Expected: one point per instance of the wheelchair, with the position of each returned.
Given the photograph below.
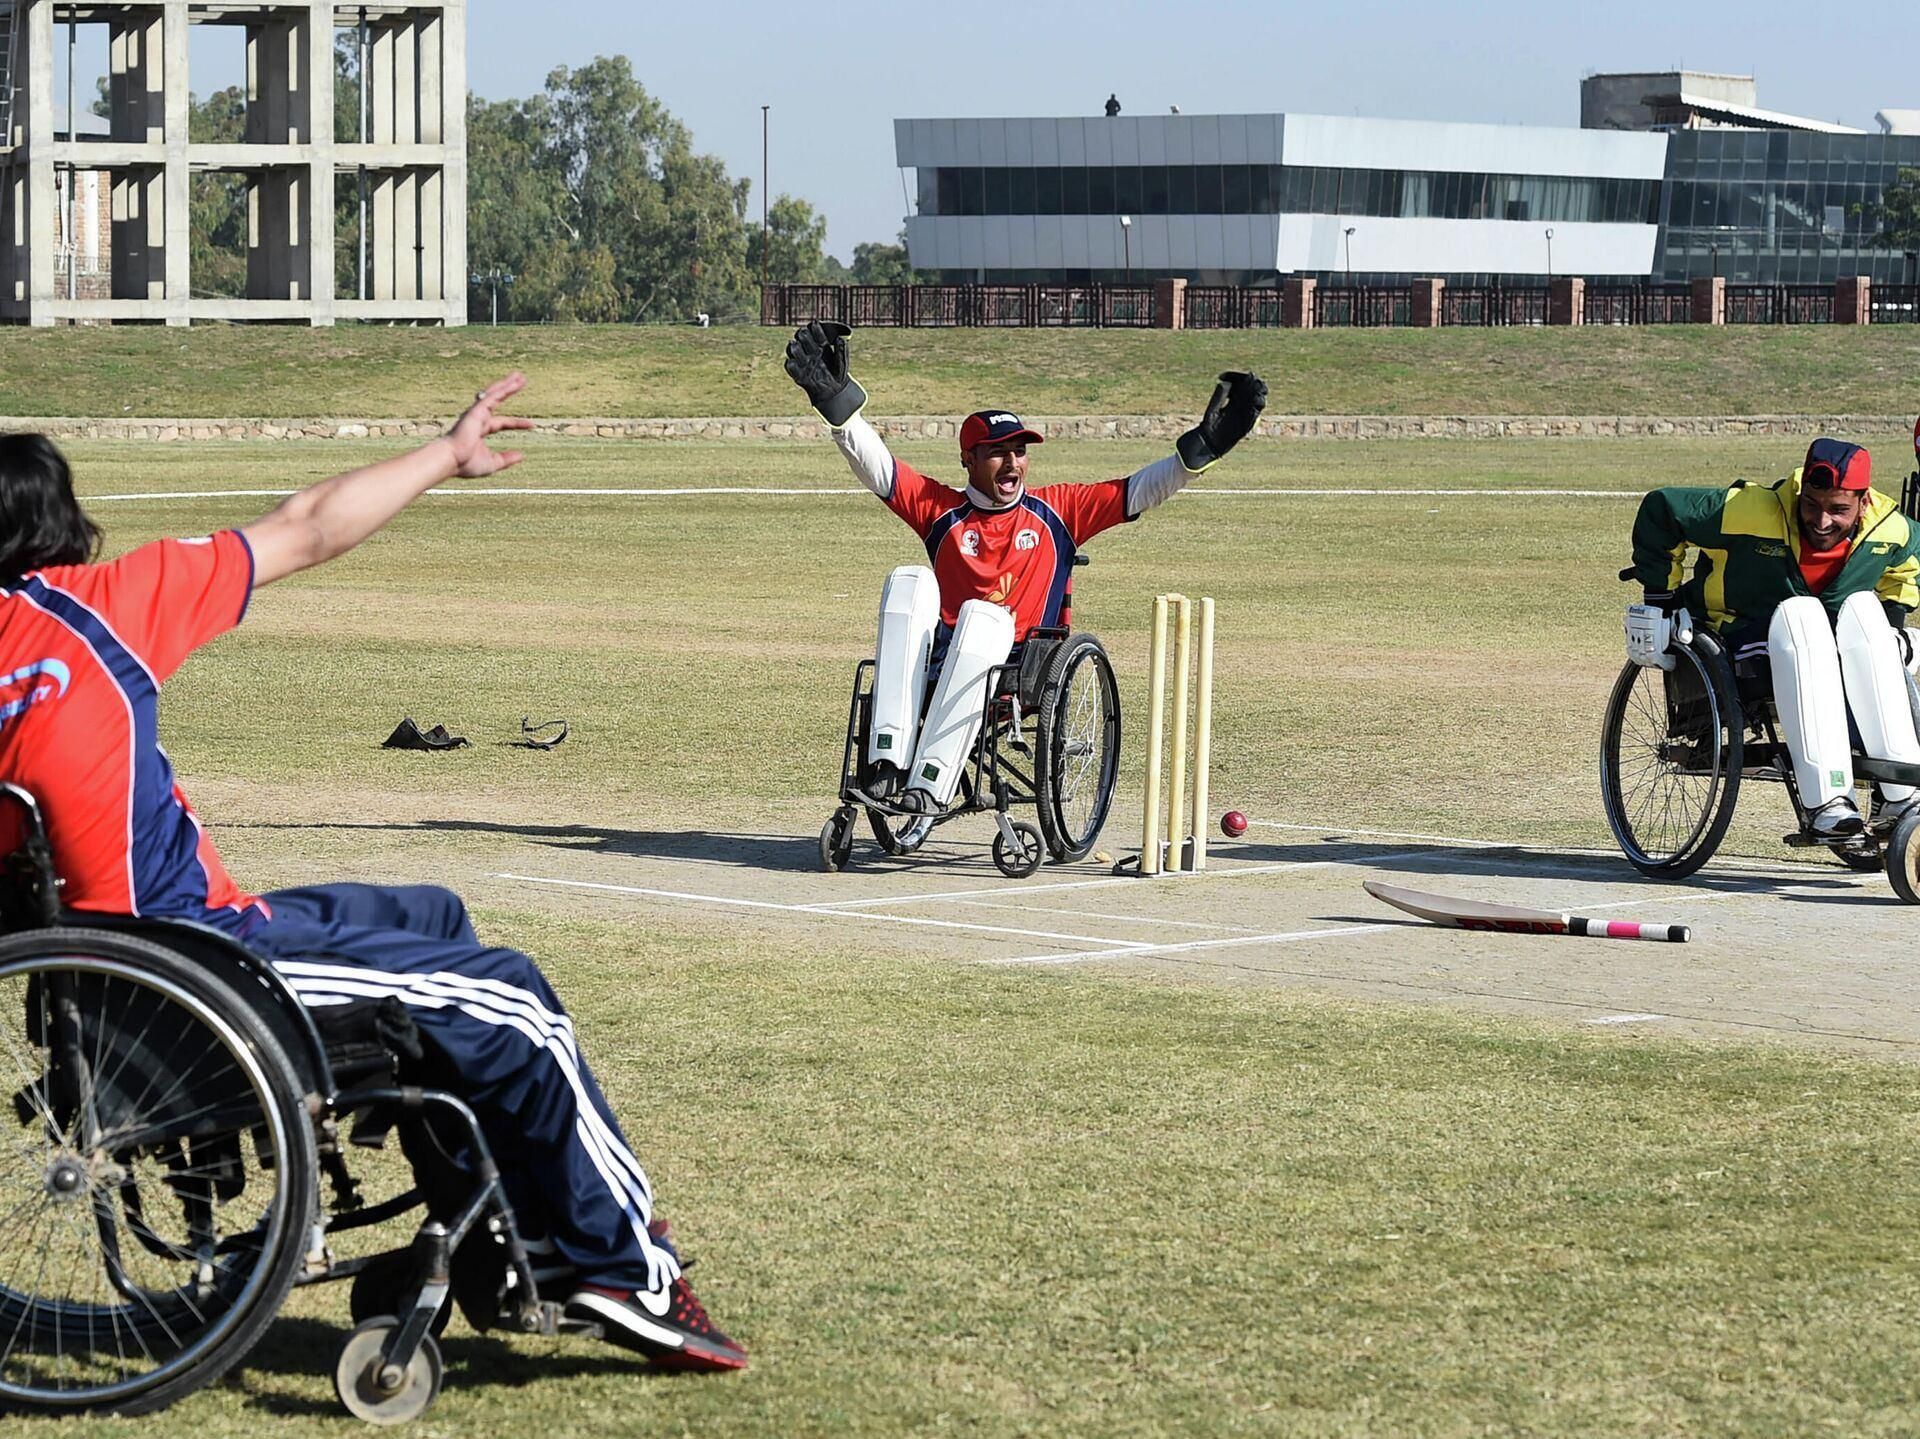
(1050, 738)
(175, 1110)
(1677, 745)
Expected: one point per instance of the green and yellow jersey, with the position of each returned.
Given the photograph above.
(1748, 538)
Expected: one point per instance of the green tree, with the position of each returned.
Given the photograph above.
(1895, 217)
(796, 240)
(878, 264)
(217, 226)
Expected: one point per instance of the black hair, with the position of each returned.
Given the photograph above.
(41, 522)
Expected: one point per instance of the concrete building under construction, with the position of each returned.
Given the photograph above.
(406, 172)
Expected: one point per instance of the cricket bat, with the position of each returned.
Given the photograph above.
(1513, 919)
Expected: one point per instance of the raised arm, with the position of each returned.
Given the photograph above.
(326, 520)
(1237, 401)
(817, 361)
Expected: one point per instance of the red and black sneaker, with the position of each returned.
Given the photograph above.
(671, 1328)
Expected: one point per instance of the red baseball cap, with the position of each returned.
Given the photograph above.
(1836, 465)
(996, 427)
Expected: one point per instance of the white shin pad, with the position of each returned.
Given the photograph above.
(909, 614)
(1807, 692)
(982, 638)
(1876, 686)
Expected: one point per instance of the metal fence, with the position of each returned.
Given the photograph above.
(1647, 304)
(1233, 307)
(961, 306)
(1362, 306)
(1779, 304)
(1492, 305)
(1894, 305)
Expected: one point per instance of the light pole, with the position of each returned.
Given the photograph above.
(763, 196)
(494, 279)
(1126, 240)
(1549, 252)
(1350, 230)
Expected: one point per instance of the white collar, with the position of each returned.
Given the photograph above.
(981, 502)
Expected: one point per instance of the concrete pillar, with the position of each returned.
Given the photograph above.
(136, 91)
(1852, 296)
(318, 59)
(1567, 301)
(13, 242)
(1296, 304)
(1170, 304)
(36, 58)
(453, 124)
(137, 115)
(177, 211)
(1710, 301)
(1423, 306)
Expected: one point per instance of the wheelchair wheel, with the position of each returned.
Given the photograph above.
(836, 840)
(159, 1188)
(1903, 858)
(1078, 739)
(1023, 861)
(1670, 757)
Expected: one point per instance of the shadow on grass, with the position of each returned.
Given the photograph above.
(309, 1348)
(747, 851)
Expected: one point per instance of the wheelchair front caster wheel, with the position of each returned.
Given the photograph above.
(1018, 863)
(380, 1393)
(1903, 858)
(384, 1286)
(836, 841)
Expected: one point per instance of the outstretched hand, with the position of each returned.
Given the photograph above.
(817, 363)
(473, 458)
(1236, 404)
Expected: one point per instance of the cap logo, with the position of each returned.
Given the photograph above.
(1003, 419)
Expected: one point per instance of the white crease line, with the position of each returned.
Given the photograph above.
(1334, 832)
(1141, 951)
(1294, 936)
(1624, 1019)
(835, 906)
(1095, 914)
(1119, 945)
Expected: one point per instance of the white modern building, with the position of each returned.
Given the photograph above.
(1717, 187)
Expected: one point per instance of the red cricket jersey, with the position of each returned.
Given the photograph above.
(83, 652)
(1818, 567)
(1020, 558)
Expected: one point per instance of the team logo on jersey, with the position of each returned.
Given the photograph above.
(1002, 592)
(1027, 540)
(970, 544)
(53, 678)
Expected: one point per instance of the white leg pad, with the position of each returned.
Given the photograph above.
(1876, 686)
(982, 638)
(1807, 691)
(909, 615)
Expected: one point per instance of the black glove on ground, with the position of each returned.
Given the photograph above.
(817, 360)
(1237, 402)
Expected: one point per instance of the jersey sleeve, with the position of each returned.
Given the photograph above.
(1089, 509)
(1668, 521)
(166, 599)
(918, 500)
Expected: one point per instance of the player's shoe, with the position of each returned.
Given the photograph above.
(672, 1329)
(1838, 818)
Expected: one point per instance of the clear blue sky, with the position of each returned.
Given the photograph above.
(838, 72)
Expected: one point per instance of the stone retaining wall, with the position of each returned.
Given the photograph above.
(1079, 427)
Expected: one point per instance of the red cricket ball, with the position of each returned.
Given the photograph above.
(1233, 824)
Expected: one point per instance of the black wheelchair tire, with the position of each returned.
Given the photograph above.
(1903, 858)
(251, 1046)
(1624, 755)
(1070, 830)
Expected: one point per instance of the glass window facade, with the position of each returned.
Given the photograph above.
(1282, 189)
(1779, 207)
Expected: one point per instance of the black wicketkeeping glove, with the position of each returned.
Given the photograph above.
(1237, 402)
(817, 360)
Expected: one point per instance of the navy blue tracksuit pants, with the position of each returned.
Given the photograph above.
(491, 1016)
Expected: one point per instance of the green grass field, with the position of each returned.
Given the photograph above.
(943, 1199)
(613, 371)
